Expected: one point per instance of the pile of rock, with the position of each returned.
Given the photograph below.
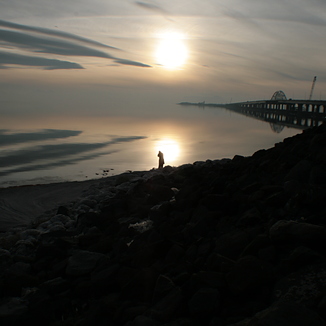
(229, 242)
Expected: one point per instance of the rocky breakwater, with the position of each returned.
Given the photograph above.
(229, 242)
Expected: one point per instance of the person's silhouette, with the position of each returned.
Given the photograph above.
(160, 160)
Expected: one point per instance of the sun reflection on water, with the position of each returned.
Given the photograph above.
(170, 148)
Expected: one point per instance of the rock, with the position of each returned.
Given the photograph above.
(90, 202)
(103, 279)
(55, 286)
(175, 254)
(204, 303)
(17, 277)
(83, 262)
(231, 244)
(300, 172)
(292, 187)
(208, 279)
(304, 286)
(40, 307)
(12, 310)
(140, 286)
(60, 218)
(142, 321)
(219, 263)
(318, 175)
(62, 210)
(284, 314)
(292, 231)
(168, 307)
(163, 286)
(4, 255)
(321, 308)
(248, 274)
(30, 234)
(250, 218)
(257, 244)
(160, 193)
(302, 256)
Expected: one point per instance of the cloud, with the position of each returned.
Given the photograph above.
(151, 7)
(7, 139)
(254, 11)
(131, 63)
(52, 32)
(24, 60)
(48, 45)
(126, 139)
(56, 43)
(240, 17)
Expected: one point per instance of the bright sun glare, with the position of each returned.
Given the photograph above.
(170, 149)
(171, 52)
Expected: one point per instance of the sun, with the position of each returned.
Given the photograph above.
(170, 149)
(171, 51)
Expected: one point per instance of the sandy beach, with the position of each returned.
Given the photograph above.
(19, 205)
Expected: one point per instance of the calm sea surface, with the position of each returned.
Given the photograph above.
(36, 150)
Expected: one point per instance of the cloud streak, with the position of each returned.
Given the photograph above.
(54, 43)
(131, 63)
(24, 60)
(52, 32)
(46, 45)
(151, 7)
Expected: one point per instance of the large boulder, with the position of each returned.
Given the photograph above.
(83, 262)
(284, 314)
(293, 231)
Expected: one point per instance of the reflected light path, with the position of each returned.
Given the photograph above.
(170, 148)
(119, 143)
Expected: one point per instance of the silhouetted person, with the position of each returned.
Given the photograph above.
(160, 160)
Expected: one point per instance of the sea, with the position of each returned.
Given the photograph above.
(41, 150)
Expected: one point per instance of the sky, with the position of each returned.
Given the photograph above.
(96, 82)
(126, 57)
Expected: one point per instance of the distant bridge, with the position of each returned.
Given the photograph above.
(279, 111)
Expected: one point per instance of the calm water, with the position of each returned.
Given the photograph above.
(55, 149)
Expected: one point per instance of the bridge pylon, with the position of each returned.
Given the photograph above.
(278, 96)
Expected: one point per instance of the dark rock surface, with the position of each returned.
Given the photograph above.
(228, 242)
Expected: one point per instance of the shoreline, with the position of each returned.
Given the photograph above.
(20, 204)
(229, 242)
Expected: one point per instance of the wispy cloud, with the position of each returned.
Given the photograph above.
(240, 17)
(151, 7)
(51, 32)
(131, 63)
(284, 11)
(53, 43)
(24, 60)
(48, 45)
